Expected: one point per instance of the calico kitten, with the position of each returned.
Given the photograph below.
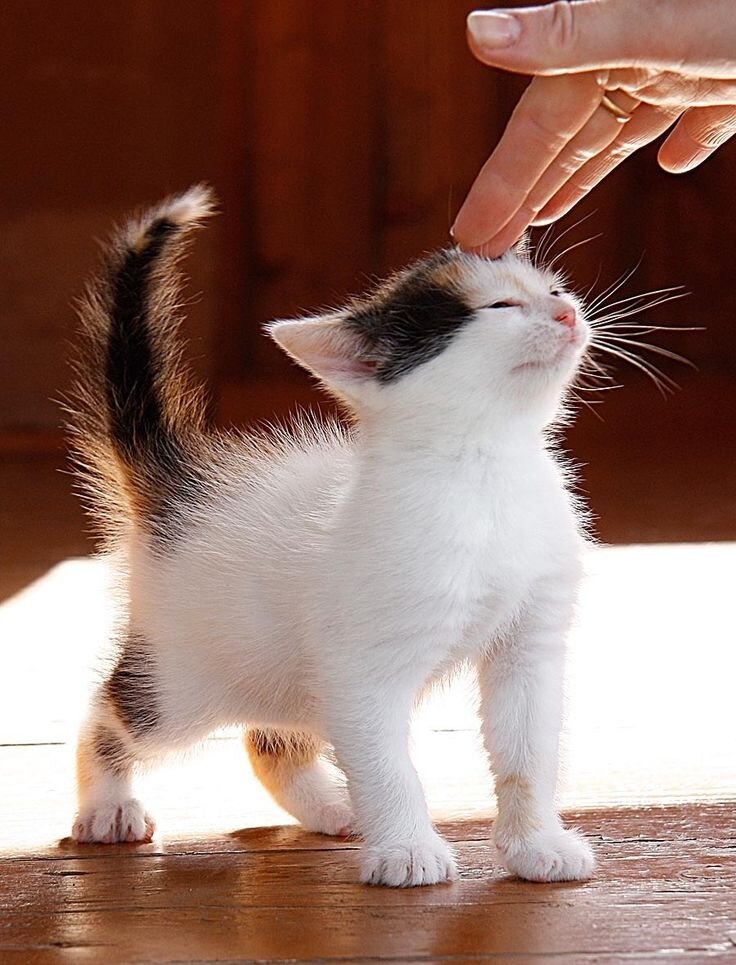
(311, 584)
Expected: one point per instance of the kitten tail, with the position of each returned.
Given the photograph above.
(136, 418)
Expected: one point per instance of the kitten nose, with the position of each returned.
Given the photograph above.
(566, 317)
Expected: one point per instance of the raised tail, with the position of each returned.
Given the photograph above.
(137, 419)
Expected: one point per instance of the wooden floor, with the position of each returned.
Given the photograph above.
(650, 775)
(665, 892)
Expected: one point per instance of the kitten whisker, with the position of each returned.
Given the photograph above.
(633, 309)
(544, 253)
(646, 329)
(664, 383)
(654, 348)
(642, 295)
(570, 248)
(614, 286)
(591, 288)
(588, 403)
(540, 249)
(591, 368)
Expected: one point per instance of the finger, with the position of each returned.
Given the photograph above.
(601, 131)
(581, 36)
(549, 114)
(699, 132)
(646, 125)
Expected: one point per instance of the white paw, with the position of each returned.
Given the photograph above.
(425, 862)
(113, 822)
(557, 855)
(334, 819)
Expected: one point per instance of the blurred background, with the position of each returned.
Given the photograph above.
(340, 138)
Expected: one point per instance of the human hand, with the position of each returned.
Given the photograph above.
(660, 61)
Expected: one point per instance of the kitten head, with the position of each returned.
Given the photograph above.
(455, 334)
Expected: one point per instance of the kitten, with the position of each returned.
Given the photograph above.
(312, 584)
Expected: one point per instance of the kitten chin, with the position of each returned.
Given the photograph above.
(308, 583)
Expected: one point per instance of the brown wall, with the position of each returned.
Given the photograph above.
(104, 106)
(340, 137)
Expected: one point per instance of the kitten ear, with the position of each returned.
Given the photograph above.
(326, 346)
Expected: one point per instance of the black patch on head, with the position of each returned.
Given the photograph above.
(131, 687)
(414, 320)
(111, 752)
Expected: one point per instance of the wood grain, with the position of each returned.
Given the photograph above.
(664, 891)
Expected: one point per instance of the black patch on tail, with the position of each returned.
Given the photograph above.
(163, 462)
(136, 412)
(138, 419)
(141, 437)
(414, 321)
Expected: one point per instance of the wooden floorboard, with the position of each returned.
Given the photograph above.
(665, 890)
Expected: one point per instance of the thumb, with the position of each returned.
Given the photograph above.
(566, 37)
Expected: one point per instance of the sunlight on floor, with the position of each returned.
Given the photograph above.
(649, 718)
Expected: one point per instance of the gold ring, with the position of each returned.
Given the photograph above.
(619, 113)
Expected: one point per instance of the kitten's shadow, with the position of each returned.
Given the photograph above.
(279, 837)
(289, 837)
(73, 848)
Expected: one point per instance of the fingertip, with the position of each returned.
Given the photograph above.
(492, 30)
(558, 206)
(541, 221)
(674, 163)
(465, 234)
(549, 214)
(488, 249)
(471, 242)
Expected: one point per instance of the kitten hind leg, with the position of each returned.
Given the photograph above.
(289, 766)
(108, 811)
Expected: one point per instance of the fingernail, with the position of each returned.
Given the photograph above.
(491, 29)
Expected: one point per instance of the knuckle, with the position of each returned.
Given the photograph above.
(581, 184)
(578, 157)
(562, 31)
(538, 130)
(713, 136)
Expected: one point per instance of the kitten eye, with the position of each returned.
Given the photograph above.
(557, 293)
(503, 305)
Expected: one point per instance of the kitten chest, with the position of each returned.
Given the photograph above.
(452, 556)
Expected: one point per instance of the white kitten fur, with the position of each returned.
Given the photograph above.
(328, 577)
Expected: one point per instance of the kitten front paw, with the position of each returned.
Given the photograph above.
(557, 855)
(124, 821)
(427, 861)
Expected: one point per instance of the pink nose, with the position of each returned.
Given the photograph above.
(566, 317)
